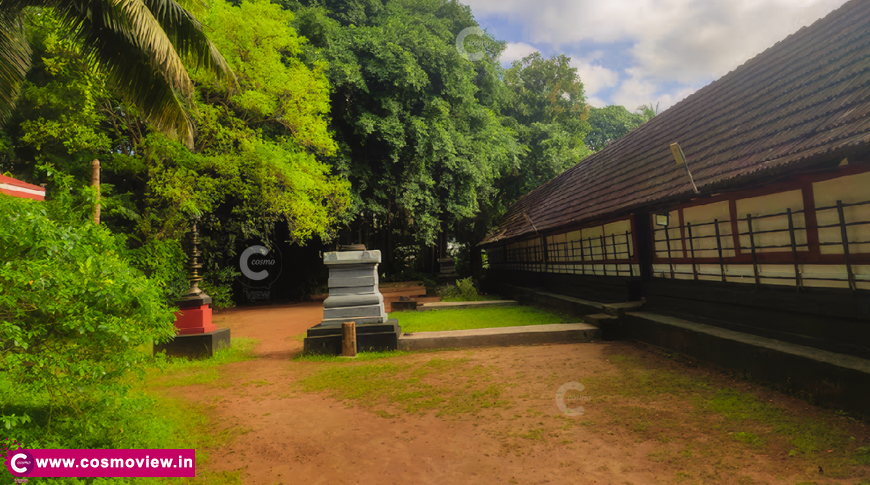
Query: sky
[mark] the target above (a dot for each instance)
(634, 52)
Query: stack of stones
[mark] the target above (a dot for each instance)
(353, 297)
(353, 288)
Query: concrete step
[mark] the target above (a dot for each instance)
(599, 318)
(607, 324)
(443, 305)
(619, 309)
(833, 379)
(500, 337)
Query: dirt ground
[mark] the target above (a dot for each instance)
(289, 436)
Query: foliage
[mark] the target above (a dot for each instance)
(548, 111)
(73, 308)
(463, 290)
(257, 158)
(417, 125)
(613, 122)
(139, 45)
(132, 420)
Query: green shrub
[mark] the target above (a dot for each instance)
(464, 290)
(73, 308)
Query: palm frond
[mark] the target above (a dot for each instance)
(14, 59)
(187, 36)
(133, 72)
(141, 44)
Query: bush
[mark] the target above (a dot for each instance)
(464, 290)
(73, 308)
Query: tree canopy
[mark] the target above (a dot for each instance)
(360, 115)
(418, 126)
(257, 155)
(140, 45)
(613, 122)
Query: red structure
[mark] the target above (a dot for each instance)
(17, 188)
(194, 316)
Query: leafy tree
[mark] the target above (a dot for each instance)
(418, 126)
(141, 45)
(613, 122)
(548, 111)
(256, 161)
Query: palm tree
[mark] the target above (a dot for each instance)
(139, 44)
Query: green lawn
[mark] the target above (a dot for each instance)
(468, 318)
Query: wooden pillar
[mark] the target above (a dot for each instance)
(95, 182)
(348, 339)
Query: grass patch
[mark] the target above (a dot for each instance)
(470, 318)
(135, 420)
(166, 371)
(450, 386)
(360, 356)
(677, 405)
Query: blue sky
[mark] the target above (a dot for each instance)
(634, 52)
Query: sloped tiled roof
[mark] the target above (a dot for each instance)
(803, 100)
(17, 188)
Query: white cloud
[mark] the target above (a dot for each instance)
(689, 42)
(636, 91)
(596, 102)
(514, 51)
(594, 77)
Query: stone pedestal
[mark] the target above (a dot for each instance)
(353, 288)
(353, 297)
(446, 266)
(196, 335)
(196, 345)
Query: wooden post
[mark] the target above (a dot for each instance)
(692, 248)
(95, 182)
(844, 235)
(719, 248)
(797, 272)
(348, 339)
(752, 246)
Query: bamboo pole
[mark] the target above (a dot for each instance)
(95, 182)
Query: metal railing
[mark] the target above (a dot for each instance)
(613, 250)
(798, 251)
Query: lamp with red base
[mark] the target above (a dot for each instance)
(196, 335)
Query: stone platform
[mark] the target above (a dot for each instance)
(196, 345)
(500, 337)
(444, 305)
(326, 339)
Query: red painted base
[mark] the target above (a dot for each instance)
(194, 320)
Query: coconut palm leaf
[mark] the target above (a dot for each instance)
(14, 59)
(141, 45)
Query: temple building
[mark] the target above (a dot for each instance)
(746, 206)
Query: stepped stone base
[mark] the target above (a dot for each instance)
(326, 339)
(353, 289)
